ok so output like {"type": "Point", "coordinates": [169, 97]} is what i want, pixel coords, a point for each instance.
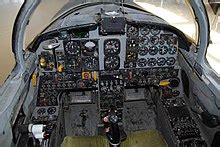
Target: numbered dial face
{"type": "Point", "coordinates": [144, 31]}
{"type": "Point", "coordinates": [51, 110]}
{"type": "Point", "coordinates": [155, 30]}
{"type": "Point", "coordinates": [132, 43]}
{"type": "Point", "coordinates": [172, 50]}
{"type": "Point", "coordinates": [73, 48]}
{"type": "Point", "coordinates": [131, 55]}
{"type": "Point", "coordinates": [143, 51]}
{"type": "Point", "coordinates": [132, 30]}
{"type": "Point", "coordinates": [41, 111]}
{"type": "Point", "coordinates": [112, 62]}
{"type": "Point", "coordinates": [112, 46]}
{"type": "Point", "coordinates": [152, 62]}
{"type": "Point", "coordinates": [170, 61]}
{"type": "Point", "coordinates": [91, 63]}
{"type": "Point", "coordinates": [142, 62]}
{"type": "Point", "coordinates": [143, 41]}
{"type": "Point", "coordinates": [73, 64]}
{"type": "Point", "coordinates": [161, 61]}
{"type": "Point", "coordinates": [154, 40]}
{"type": "Point", "coordinates": [153, 50]}
{"type": "Point", "coordinates": [163, 50]}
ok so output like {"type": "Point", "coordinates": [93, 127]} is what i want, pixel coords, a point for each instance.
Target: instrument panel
{"type": "Point", "coordinates": [143, 46]}
{"type": "Point", "coordinates": [144, 55]}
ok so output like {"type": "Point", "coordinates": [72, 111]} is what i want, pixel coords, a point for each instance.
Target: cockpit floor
{"type": "Point", "coordinates": [81, 120]}
{"type": "Point", "coordinates": [137, 115]}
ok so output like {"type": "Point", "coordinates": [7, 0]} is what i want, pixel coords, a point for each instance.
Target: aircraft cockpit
{"type": "Point", "coordinates": [109, 74]}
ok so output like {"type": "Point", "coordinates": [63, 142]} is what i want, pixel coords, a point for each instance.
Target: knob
{"type": "Point", "coordinates": [60, 68]}
{"type": "Point", "coordinates": [43, 62]}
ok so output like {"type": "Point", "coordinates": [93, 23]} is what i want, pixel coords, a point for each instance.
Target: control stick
{"type": "Point", "coordinates": [111, 128]}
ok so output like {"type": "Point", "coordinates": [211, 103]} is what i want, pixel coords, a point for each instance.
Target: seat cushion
{"type": "Point", "coordinates": [85, 141]}
{"type": "Point", "coordinates": [146, 138]}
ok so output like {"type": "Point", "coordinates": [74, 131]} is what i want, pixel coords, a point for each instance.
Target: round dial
{"type": "Point", "coordinates": [142, 62]}
{"type": "Point", "coordinates": [91, 63]}
{"type": "Point", "coordinates": [112, 46]}
{"type": "Point", "coordinates": [51, 110]}
{"type": "Point", "coordinates": [112, 62]}
{"type": "Point", "coordinates": [143, 51]}
{"type": "Point", "coordinates": [73, 48]}
{"type": "Point", "coordinates": [131, 55]}
{"type": "Point", "coordinates": [153, 50]}
{"type": "Point", "coordinates": [172, 50]}
{"type": "Point", "coordinates": [132, 43]}
{"type": "Point", "coordinates": [41, 111]}
{"type": "Point", "coordinates": [155, 30]}
{"type": "Point", "coordinates": [143, 41]}
{"type": "Point", "coordinates": [132, 31]}
{"type": "Point", "coordinates": [176, 93]}
{"type": "Point", "coordinates": [154, 40]}
{"type": "Point", "coordinates": [89, 47]}
{"type": "Point", "coordinates": [145, 30]}
{"type": "Point", "coordinates": [73, 64]}
{"type": "Point", "coordinates": [163, 50]}
{"type": "Point", "coordinates": [170, 61]}
{"type": "Point", "coordinates": [152, 62]}
{"type": "Point", "coordinates": [161, 61]}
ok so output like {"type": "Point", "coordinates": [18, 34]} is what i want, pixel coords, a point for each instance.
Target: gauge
{"type": "Point", "coordinates": [73, 64]}
{"type": "Point", "coordinates": [155, 30]}
{"type": "Point", "coordinates": [112, 46]}
{"type": "Point", "coordinates": [73, 47]}
{"type": "Point", "coordinates": [172, 50]}
{"type": "Point", "coordinates": [143, 51]}
{"type": "Point", "coordinates": [51, 110]}
{"type": "Point", "coordinates": [142, 62]}
{"type": "Point", "coordinates": [153, 50]}
{"type": "Point", "coordinates": [170, 61]}
{"type": "Point", "coordinates": [89, 47]}
{"type": "Point", "coordinates": [163, 50]}
{"type": "Point", "coordinates": [161, 61]}
{"type": "Point", "coordinates": [112, 62]}
{"type": "Point", "coordinates": [132, 31]}
{"type": "Point", "coordinates": [152, 62]}
{"type": "Point", "coordinates": [132, 43]}
{"type": "Point", "coordinates": [144, 31]}
{"type": "Point", "coordinates": [41, 111]}
{"type": "Point", "coordinates": [154, 40]}
{"type": "Point", "coordinates": [131, 55]}
{"type": "Point", "coordinates": [91, 63]}
{"type": "Point", "coordinates": [143, 41]}
{"type": "Point", "coordinates": [176, 93]}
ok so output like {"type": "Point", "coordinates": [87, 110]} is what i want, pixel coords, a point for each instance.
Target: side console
{"type": "Point", "coordinates": [183, 130]}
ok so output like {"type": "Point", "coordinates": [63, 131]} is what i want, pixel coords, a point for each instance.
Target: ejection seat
{"type": "Point", "coordinates": [146, 138]}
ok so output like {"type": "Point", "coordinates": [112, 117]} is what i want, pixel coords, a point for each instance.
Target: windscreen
{"type": "Point", "coordinates": [177, 13]}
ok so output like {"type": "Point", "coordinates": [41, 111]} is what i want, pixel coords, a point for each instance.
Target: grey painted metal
{"type": "Point", "coordinates": [203, 21]}
{"type": "Point", "coordinates": [15, 87]}
{"type": "Point", "coordinates": [19, 31]}
{"type": "Point", "coordinates": [210, 80]}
